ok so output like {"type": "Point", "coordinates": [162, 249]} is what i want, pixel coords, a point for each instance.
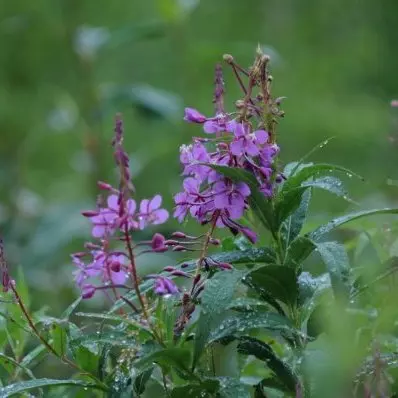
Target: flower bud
{"type": "Point", "coordinates": [103, 185]}
{"type": "Point", "coordinates": [228, 58]}
{"type": "Point", "coordinates": [169, 268]}
{"type": "Point", "coordinates": [89, 213]}
{"type": "Point", "coordinates": [179, 235]}
{"type": "Point", "coordinates": [88, 291]}
{"type": "Point", "coordinates": [179, 248]}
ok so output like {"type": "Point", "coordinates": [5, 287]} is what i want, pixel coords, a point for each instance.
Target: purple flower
{"type": "Point", "coordinates": [164, 286]}
{"type": "Point", "coordinates": [246, 142]}
{"type": "Point", "coordinates": [220, 123]}
{"type": "Point", "coordinates": [194, 116]}
{"type": "Point", "coordinates": [150, 212]}
{"type": "Point", "coordinates": [191, 157]}
{"type": "Point", "coordinates": [231, 197]}
{"type": "Point", "coordinates": [108, 219]}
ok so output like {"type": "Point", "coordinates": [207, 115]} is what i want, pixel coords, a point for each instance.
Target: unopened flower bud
{"type": "Point", "coordinates": [91, 246]}
{"type": "Point", "coordinates": [88, 291]}
{"type": "Point", "coordinates": [169, 268]}
{"type": "Point", "coordinates": [196, 280]}
{"type": "Point", "coordinates": [103, 185]}
{"type": "Point", "coordinates": [228, 58]}
{"type": "Point", "coordinates": [179, 248]}
{"type": "Point", "coordinates": [179, 235]}
{"type": "Point", "coordinates": [90, 213]}
{"type": "Point", "coordinates": [180, 273]}
{"type": "Point", "coordinates": [215, 242]}
{"type": "Point", "coordinates": [171, 242]}
{"type": "Point", "coordinates": [224, 265]}
{"type": "Point", "coordinates": [184, 265]}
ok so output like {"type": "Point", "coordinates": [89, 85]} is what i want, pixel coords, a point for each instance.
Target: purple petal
{"type": "Point", "coordinates": [251, 148]}
{"type": "Point", "coordinates": [155, 203]}
{"type": "Point", "coordinates": [88, 291]}
{"type": "Point", "coordinates": [113, 202]}
{"type": "Point", "coordinates": [131, 206]}
{"type": "Point", "coordinates": [161, 216]}
{"type": "Point", "coordinates": [191, 185]}
{"type": "Point", "coordinates": [118, 278]}
{"type": "Point", "coordinates": [144, 206]}
{"type": "Point", "coordinates": [211, 127]}
{"type": "Point", "coordinates": [239, 130]}
{"type": "Point", "coordinates": [193, 116]}
{"type": "Point", "coordinates": [242, 188]}
{"type": "Point", "coordinates": [261, 136]}
{"type": "Point", "coordinates": [236, 147]}
{"type": "Point", "coordinates": [221, 201]}
{"type": "Point", "coordinates": [98, 231]}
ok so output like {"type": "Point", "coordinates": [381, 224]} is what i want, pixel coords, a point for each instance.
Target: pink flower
{"type": "Point", "coordinates": [150, 212]}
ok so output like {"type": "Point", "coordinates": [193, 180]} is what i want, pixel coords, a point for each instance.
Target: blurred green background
{"type": "Point", "coordinates": [67, 66]}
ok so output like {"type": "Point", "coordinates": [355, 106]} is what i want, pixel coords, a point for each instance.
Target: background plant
{"type": "Point", "coordinates": [247, 321]}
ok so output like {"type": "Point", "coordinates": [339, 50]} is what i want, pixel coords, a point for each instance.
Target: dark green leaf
{"type": "Point", "coordinates": [243, 322]}
{"type": "Point", "coordinates": [232, 388]}
{"type": "Point", "coordinates": [218, 294]}
{"type": "Point", "coordinates": [252, 346]}
{"type": "Point", "coordinates": [298, 251]}
{"type": "Point", "coordinates": [206, 389]}
{"type": "Point", "coordinates": [313, 170]}
{"type": "Point", "coordinates": [59, 338]}
{"type": "Point", "coordinates": [177, 358]}
{"type": "Point", "coordinates": [292, 226]}
{"type": "Point", "coordinates": [10, 365]}
{"type": "Point", "coordinates": [337, 222]}
{"type": "Point", "coordinates": [336, 260]}
{"type": "Point", "coordinates": [278, 280]}
{"type": "Point", "coordinates": [116, 338]}
{"type": "Point", "coordinates": [141, 380]}
{"type": "Point", "coordinates": [22, 386]}
{"type": "Point", "coordinates": [86, 359]}
{"type": "Point", "coordinates": [68, 312]}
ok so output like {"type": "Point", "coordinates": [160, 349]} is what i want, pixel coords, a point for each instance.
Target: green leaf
{"type": "Point", "coordinates": [22, 386]}
{"type": "Point", "coordinates": [122, 319]}
{"type": "Point", "coordinates": [59, 338]}
{"type": "Point", "coordinates": [292, 226]}
{"type": "Point", "coordinates": [141, 380]}
{"type": "Point", "coordinates": [262, 351]}
{"type": "Point", "coordinates": [313, 170]}
{"type": "Point", "coordinates": [205, 389]}
{"type": "Point", "coordinates": [114, 338]}
{"type": "Point", "coordinates": [336, 260]}
{"type": "Point", "coordinates": [278, 280]}
{"type": "Point", "coordinates": [298, 251]}
{"type": "Point", "coordinates": [176, 357]}
{"type": "Point", "coordinates": [218, 294]}
{"type": "Point", "coordinates": [86, 359]}
{"type": "Point", "coordinates": [243, 322]}
{"type": "Point", "coordinates": [289, 202]}
{"type": "Point", "coordinates": [10, 364]}
{"type": "Point", "coordinates": [337, 222]}
{"type": "Point", "coordinates": [261, 206]}
{"type": "Point", "coordinates": [68, 312]}
{"type": "Point", "coordinates": [31, 356]}
{"type": "Point", "coordinates": [247, 304]}
{"type": "Point", "coordinates": [232, 388]}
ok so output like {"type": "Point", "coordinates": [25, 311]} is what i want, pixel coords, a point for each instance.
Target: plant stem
{"type": "Point", "coordinates": [63, 358]}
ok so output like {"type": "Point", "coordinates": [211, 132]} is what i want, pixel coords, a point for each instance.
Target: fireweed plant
{"type": "Point", "coordinates": [236, 317]}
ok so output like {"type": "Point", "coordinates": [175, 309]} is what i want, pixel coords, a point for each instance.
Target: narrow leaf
{"type": "Point", "coordinates": [264, 352]}
{"type": "Point", "coordinates": [22, 386]}
{"type": "Point", "coordinates": [337, 222]}
{"type": "Point", "coordinates": [336, 260]}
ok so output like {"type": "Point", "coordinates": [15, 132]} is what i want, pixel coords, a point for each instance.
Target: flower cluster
{"type": "Point", "coordinates": [113, 222]}
{"type": "Point", "coordinates": [209, 196]}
